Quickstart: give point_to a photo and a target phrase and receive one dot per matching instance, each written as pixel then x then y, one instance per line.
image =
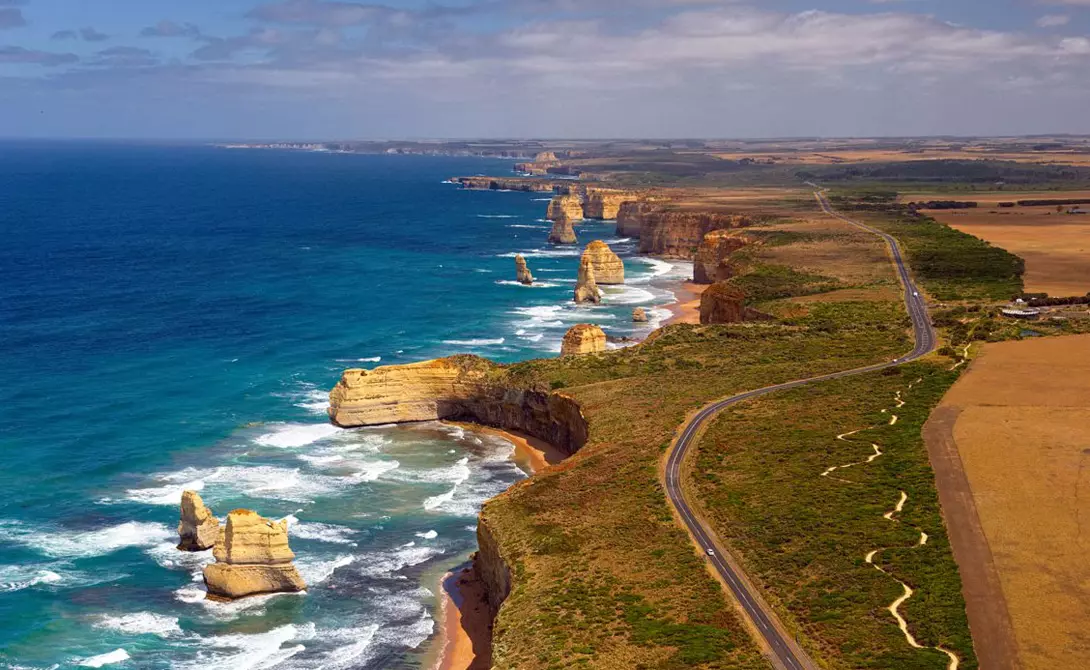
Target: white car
pixel 917 295
pixel 711 552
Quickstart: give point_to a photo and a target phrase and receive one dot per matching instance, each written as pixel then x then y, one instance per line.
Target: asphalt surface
pixel 785 653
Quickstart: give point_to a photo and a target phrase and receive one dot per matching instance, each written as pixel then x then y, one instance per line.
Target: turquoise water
pixel 173 317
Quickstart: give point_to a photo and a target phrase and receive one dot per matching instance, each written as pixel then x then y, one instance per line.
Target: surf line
pixel 895 606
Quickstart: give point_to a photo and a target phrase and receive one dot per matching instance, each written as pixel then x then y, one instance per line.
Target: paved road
pixel 786 654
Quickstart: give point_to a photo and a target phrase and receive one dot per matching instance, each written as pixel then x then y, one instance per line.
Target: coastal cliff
pixel 605 203
pixel 712 262
pixel 679 233
pixel 459 388
pixel 631 214
pixel 530 185
pixel 490 566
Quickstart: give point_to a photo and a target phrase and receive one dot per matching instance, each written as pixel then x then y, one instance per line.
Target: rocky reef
pixel 586 288
pixel 522 271
pixel 460 388
pixel 565 207
pixel 582 339
pixel 605 203
pixel 712 262
pixel 608 266
pixel 639 315
pixel 198 530
pixel 563 232
pixel 252 557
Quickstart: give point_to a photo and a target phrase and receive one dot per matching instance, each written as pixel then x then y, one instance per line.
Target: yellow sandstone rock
pixel 639 315
pixel 605 203
pixel 583 339
pixel 252 557
pixel 712 263
pixel 586 289
pixel 562 206
pixel 563 232
pixel 522 271
pixel 608 266
pixel 198 529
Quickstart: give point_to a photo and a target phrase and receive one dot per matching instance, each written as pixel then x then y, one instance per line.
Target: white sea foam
pixel 386 564
pixel 626 295
pixel 293 435
pixel 251 652
pixel 316 571
pixel 320 532
pixel 536 284
pixel 541 200
pixel 475 270
pixel 430 535
pixel 497 216
pixel 62 543
pixel 166 554
pixel 315 401
pixel 141 623
pixel 196 594
pixel 559 252
pixel 19 577
pixel 527 225
pixel 115 656
pixel 475 343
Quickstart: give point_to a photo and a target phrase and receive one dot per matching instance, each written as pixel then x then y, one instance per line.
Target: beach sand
pixel 466 619
pixel 687 307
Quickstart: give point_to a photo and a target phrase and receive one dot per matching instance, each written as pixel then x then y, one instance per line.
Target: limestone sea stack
pixel 565 206
pixel 586 289
pixel 197 529
pixel 252 557
pixel 722 303
pixel 522 271
pixel 608 266
pixel 563 232
pixel 583 339
pixel 639 315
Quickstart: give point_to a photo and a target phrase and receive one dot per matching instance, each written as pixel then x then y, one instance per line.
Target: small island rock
pixel 197 529
pixel 583 339
pixel 565 207
pixel 522 271
pixel 639 315
pixel 563 232
pixel 252 557
pixel 586 289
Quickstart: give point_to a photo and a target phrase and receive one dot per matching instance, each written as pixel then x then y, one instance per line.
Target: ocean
pixel 173 317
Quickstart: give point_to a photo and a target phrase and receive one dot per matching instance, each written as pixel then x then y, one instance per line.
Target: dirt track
pixel 1009 448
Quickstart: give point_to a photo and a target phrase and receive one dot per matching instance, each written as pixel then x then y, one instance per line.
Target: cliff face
pixel 509 184
pixel 252 557
pixel 678 233
pixel 565 206
pixel 712 262
pixel 608 266
pixel 490 566
pixel 463 388
pixel 563 232
pixel 586 289
pixel 722 303
pixel 583 339
pixel 630 217
pixel 605 204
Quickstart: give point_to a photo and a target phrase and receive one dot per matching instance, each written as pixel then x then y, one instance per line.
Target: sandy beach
pixel 686 308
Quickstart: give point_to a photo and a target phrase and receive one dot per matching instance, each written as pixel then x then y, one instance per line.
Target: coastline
pixel 686 305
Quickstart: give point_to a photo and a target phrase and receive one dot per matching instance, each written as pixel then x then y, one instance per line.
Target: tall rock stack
pixel 197 529
pixel 252 557
pixel 608 266
pixel 583 339
pixel 522 271
pixel 565 206
pixel 563 232
pixel 586 289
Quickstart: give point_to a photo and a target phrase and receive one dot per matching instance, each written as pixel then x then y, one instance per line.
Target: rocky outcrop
pixel 604 203
pixel 630 216
pixel 679 233
pixel 489 564
pixel 712 262
pixel 722 303
pixel 639 315
pixel 522 271
pixel 608 266
pixel 563 232
pixel 508 184
pixel 546 157
pixel 197 529
pixel 252 557
pixel 565 206
pixel 586 288
pixel 461 388
pixel 582 339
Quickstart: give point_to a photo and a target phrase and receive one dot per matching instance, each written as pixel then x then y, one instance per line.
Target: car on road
pixel 711 552
pixel 915 294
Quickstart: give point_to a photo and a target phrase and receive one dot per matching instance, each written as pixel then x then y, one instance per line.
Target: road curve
pixel 785 653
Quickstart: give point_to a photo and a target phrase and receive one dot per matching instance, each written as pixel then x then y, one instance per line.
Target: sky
pixel 329 70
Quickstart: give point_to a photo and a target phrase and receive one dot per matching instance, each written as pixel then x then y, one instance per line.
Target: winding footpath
pixel 785 652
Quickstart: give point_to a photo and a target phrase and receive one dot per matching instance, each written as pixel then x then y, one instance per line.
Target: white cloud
pixel 1053 20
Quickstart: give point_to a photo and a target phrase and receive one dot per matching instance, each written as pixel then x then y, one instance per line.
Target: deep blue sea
pixel 174 317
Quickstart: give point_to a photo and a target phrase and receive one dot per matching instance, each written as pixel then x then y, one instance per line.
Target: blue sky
pixel 325 69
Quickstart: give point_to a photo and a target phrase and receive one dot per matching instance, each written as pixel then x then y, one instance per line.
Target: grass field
pixel 1022 436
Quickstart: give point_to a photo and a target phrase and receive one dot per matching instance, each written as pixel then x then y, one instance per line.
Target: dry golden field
pixel 1053 245
pixel 991 198
pixel 1020 420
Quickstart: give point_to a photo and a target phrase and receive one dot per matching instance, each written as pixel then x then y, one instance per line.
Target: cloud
pixel 86 34
pixel 168 28
pixel 11 18
pixel 1053 20
pixel 33 57
pixel 65 35
pixel 124 57
pixel 324 13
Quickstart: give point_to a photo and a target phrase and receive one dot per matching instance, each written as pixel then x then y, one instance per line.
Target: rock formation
pixel 508 184
pixel 639 315
pixel 252 557
pixel 460 388
pixel 563 232
pixel 583 339
pixel 522 271
pixel 565 206
pixel 712 262
pixel 604 203
pixel 546 157
pixel 586 289
pixel 631 214
pixel 722 303
pixel 608 267
pixel 198 529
